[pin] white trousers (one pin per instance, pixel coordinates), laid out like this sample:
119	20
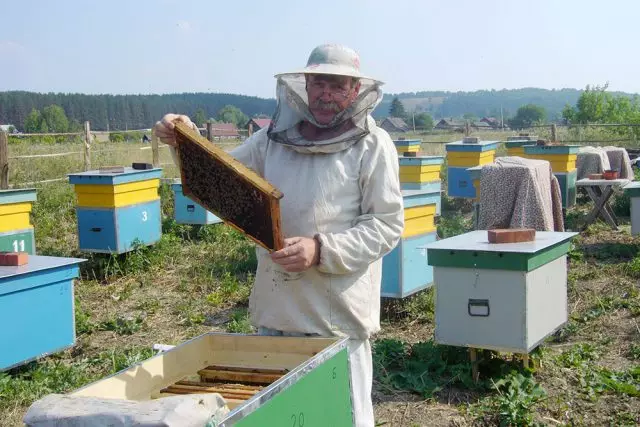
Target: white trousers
361	367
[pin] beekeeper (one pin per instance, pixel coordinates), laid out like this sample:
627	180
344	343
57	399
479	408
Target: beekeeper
341	212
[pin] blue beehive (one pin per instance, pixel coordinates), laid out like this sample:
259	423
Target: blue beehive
187	211
117	210
460	157
36	308
406	270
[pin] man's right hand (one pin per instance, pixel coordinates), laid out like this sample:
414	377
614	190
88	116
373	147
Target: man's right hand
165	128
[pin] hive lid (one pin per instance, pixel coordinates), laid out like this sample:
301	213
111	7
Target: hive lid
17	196
106	178
37	263
473	147
473	250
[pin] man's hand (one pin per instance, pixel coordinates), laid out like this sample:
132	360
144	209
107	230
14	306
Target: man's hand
165	128
298	254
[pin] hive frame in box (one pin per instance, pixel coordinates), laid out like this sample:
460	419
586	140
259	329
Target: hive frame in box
322	361
248	178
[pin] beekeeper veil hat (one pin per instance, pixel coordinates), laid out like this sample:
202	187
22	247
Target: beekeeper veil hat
293	103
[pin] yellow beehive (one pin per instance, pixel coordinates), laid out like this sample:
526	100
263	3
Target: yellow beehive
470	158
419	220
118	195
559	162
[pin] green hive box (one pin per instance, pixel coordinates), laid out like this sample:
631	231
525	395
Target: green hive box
16	231
315	391
502	297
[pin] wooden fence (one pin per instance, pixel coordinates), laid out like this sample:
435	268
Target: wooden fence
87	137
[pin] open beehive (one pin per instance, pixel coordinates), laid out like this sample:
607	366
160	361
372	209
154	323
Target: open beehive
265	381
229	189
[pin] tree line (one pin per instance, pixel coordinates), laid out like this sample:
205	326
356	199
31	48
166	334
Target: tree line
122	112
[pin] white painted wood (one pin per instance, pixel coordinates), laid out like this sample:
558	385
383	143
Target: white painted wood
523	308
479	241
546	301
635	215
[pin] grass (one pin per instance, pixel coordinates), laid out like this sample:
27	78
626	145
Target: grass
198	279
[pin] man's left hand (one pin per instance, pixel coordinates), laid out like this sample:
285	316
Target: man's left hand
298	254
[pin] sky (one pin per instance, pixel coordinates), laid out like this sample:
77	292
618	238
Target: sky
169	46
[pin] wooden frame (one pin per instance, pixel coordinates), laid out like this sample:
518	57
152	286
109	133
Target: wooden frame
229	189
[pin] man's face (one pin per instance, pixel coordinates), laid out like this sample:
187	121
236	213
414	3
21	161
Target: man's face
328	95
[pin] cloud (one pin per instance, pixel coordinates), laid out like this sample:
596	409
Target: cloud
184	26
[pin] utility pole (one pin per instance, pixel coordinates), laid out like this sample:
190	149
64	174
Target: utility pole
413	116
501	119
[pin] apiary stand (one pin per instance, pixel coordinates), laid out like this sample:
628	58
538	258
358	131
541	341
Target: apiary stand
307	383
501	297
36	308
600	191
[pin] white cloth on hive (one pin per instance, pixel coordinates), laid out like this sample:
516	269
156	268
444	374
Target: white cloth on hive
194	410
591	160
619	160
520	193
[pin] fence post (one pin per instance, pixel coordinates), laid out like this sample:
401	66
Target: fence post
4	161
209	130
467	129
250	128
554	133
154	149
87	146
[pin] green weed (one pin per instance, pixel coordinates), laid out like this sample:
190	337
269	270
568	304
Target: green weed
240	322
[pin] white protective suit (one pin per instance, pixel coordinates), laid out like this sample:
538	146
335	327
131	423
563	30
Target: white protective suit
347	192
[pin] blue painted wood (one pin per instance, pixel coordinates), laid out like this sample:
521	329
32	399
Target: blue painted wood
17	196
479	147
567	183
405	270
101	178
117	230
96	230
459	183
431	186
413	198
421	161
551	149
187	211
36	309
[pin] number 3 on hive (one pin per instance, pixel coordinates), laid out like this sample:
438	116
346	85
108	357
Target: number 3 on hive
144	216
18	246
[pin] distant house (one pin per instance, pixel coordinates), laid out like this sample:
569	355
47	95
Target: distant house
491	121
481	125
8	128
258	124
224	131
449	124
394	124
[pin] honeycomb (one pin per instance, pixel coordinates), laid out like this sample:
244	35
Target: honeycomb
228	189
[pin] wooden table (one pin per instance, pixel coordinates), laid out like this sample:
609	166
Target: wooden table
600	191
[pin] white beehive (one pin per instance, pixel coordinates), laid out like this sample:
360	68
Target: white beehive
504	297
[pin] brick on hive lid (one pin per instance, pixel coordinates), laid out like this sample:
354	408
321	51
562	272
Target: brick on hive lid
410	154
13	259
511	235
141	166
470	140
